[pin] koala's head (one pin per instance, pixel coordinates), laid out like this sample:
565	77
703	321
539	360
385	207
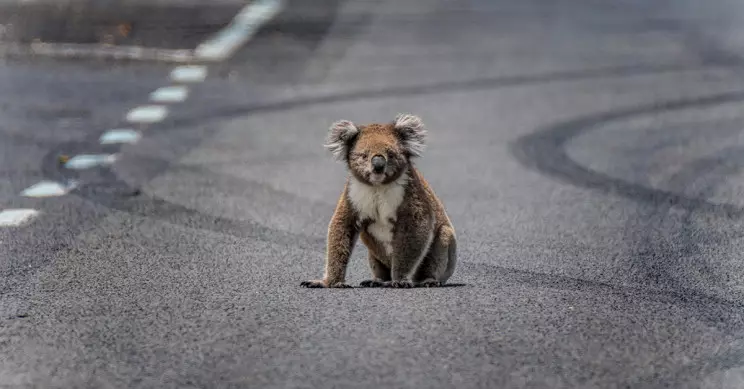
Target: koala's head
377	154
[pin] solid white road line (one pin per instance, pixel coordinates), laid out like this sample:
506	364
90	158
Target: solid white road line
16	217
170	94
49	189
86	161
120	135
240	29
189	73
86	50
219	47
147	114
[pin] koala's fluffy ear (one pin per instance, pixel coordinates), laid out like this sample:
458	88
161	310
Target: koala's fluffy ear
412	133
340	135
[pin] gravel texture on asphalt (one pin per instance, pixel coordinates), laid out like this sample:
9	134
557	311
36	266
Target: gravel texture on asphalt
588	154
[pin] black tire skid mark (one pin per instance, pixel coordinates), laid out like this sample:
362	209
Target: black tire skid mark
658	255
544	151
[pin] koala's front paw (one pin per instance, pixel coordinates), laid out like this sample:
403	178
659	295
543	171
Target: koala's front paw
401	284
323	284
314	284
372	284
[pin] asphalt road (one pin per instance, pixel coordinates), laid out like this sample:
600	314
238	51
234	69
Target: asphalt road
589	155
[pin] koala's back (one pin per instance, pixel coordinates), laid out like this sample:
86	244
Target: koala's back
437	207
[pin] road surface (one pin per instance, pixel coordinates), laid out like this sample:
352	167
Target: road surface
589	154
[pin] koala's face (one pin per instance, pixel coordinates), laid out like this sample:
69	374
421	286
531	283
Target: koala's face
377	153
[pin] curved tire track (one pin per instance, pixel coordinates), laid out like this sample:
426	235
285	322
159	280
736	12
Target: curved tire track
545	152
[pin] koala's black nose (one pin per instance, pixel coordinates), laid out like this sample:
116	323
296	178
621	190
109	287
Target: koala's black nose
378	163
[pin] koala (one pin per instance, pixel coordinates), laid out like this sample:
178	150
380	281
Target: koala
387	203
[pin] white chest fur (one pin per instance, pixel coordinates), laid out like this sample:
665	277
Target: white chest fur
379	204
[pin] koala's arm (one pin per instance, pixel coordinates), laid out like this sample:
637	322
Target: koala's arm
342	236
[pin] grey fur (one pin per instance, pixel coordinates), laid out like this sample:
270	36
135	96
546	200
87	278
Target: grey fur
413	133
439	263
339	135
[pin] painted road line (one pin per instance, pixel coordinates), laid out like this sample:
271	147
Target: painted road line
86	161
120	135
16	217
147	114
93	50
223	44
49	189
170	94
189	73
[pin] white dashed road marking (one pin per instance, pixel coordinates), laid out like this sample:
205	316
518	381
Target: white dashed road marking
147	114
16	217
49	189
86	161
120	135
219	47
189	73
240	30
170	94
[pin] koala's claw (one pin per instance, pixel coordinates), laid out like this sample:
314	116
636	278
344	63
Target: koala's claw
372	284
313	284
429	284
322	284
401	284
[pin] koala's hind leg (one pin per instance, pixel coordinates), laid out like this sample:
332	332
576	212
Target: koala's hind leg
380	273
439	264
